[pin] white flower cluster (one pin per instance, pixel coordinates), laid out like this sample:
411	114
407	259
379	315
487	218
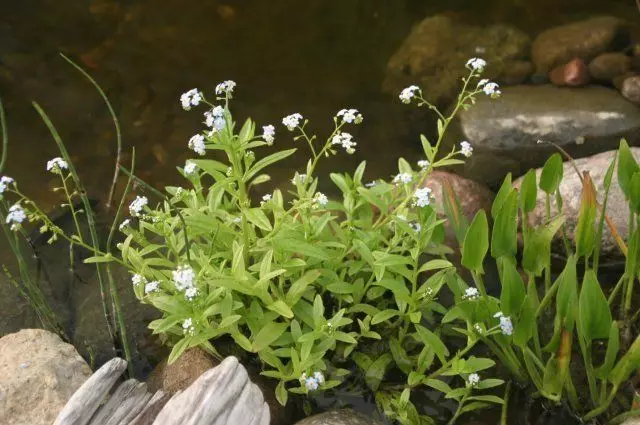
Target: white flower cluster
346	140
188	328
473	379
422	197
471	293
476	64
190	167
56	165
16	216
490	88
138	279
408	93
299	178
266	198
268	133
151	287
350	116
190	98
403	178
137	205
423	164
226	87
196	144
184	278
505	323
292	121
320	199
311	383
466	149
125	223
214	118
4	182
478	328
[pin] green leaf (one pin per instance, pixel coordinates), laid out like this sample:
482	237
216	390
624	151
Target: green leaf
269	333
339	181
377	369
551	175
627	364
489	383
434	342
384	315
281	308
593	313
211	166
438	385
627	167
538	246
476	243
613	347
228	321
487	398
178	349
301	247
528	192
107	258
299	286
477	364
634	194
281	393
266	161
513	290
504	238
501	196
585	229
257	217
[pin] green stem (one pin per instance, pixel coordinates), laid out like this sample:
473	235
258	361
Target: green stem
601	408
70	205
505	405
477	279
459	409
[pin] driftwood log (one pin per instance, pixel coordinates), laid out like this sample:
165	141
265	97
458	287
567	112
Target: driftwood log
222	395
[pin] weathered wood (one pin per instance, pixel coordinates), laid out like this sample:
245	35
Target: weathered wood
86	400
151	410
223	395
123	405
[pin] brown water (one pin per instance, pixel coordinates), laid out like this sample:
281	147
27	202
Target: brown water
312	57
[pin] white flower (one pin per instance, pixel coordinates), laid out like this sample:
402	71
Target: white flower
299	178
184	278
151	287
311	384
319	377
187	327
138	279
125	223
476	64
466	149
350	116
401	217
236	220
292	121
473	379
320	199
268	133
409	93
56	165
225	87
344	139
403	178
424	164
190	293
215	118
505	325
492	89
190	167
370	184
471	293
303	377
482	82
422	197
16	216
478	328
190	98
4	182
196	144
137	205
266	198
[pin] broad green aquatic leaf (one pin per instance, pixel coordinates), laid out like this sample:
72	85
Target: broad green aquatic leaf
513	290
634	192
627	167
585	229
627	364
613	347
537	247
528	192
504	238
476	243
505	190
552	174
593	313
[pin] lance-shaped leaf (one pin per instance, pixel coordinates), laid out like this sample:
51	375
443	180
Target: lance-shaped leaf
476	243
627	167
585	230
594	314
504	237
528	192
551	175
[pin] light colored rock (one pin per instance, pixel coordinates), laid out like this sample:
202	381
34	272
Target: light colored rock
87	399
38	374
123	405
584	121
632	421
339	417
223	395
434	55
571	190
584	39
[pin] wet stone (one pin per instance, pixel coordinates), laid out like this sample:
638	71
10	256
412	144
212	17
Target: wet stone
572	74
608	66
339	417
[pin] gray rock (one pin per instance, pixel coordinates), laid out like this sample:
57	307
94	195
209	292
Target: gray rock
339	417
585	40
631	88
584	121
223	395
632	421
434	55
571	190
608	66
123	405
87	399
38	374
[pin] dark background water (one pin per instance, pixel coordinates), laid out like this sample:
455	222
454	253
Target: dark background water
312	57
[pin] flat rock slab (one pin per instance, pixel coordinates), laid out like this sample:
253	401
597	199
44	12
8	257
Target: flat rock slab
339	417
223	395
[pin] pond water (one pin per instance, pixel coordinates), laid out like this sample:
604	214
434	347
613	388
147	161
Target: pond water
313	57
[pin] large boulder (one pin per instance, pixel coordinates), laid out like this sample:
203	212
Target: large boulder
585	40
434	55
571	190
38	374
583	121
339	417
